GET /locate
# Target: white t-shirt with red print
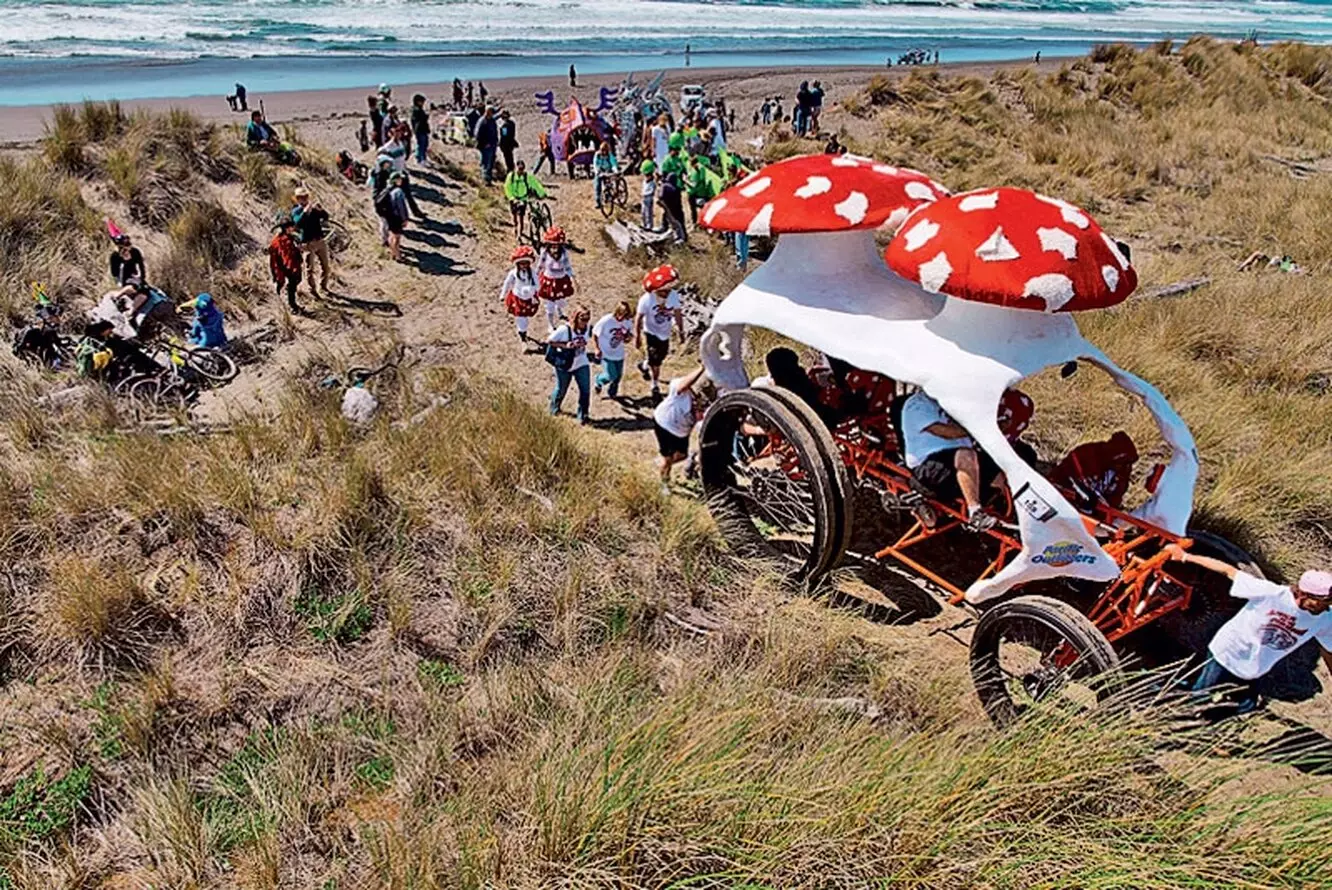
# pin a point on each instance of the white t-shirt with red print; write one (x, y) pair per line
(612, 334)
(566, 334)
(1269, 627)
(658, 315)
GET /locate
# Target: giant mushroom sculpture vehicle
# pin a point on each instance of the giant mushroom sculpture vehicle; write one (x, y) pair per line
(980, 294)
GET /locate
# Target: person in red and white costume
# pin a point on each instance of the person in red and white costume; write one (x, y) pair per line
(556, 282)
(518, 293)
(659, 309)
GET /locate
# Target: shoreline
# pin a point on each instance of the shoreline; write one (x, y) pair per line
(22, 125)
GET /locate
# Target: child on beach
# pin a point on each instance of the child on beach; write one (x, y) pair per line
(555, 275)
(649, 171)
(609, 336)
(674, 418)
(659, 306)
(519, 290)
(420, 121)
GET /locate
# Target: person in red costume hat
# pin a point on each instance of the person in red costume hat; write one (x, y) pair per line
(659, 309)
(518, 293)
(555, 275)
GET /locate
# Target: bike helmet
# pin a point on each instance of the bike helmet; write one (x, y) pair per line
(522, 253)
(660, 278)
(555, 235)
(1015, 411)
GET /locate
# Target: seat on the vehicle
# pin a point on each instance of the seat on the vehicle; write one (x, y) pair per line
(1098, 471)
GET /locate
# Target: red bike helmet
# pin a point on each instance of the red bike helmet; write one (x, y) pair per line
(555, 235)
(523, 252)
(660, 278)
(1015, 411)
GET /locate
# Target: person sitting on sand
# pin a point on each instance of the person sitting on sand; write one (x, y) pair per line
(259, 135)
(208, 328)
(127, 263)
(103, 355)
(520, 187)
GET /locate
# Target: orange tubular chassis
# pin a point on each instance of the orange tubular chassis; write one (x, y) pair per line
(1142, 593)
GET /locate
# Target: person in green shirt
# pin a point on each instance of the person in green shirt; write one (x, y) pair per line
(702, 186)
(521, 187)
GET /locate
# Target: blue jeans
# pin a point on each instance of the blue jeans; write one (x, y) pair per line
(422, 143)
(488, 163)
(581, 376)
(1213, 675)
(742, 251)
(612, 369)
(596, 186)
(647, 212)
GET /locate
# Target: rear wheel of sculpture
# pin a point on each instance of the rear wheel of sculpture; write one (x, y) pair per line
(1036, 649)
(768, 484)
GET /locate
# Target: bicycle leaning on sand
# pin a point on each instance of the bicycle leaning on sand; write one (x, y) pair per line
(614, 194)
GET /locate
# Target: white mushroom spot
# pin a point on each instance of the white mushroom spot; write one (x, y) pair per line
(853, 209)
(1055, 289)
(940, 189)
(1114, 249)
(761, 224)
(1111, 276)
(972, 203)
(934, 274)
(885, 169)
(1058, 241)
(896, 218)
(815, 185)
(1072, 215)
(757, 187)
(997, 248)
(715, 207)
(846, 161)
(750, 178)
(920, 234)
(920, 191)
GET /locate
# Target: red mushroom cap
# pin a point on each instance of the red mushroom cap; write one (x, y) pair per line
(522, 252)
(820, 193)
(660, 278)
(1013, 248)
(1015, 412)
(554, 235)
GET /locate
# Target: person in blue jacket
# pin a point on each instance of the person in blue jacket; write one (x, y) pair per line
(207, 329)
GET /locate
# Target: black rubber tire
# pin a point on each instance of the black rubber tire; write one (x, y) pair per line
(1096, 657)
(843, 497)
(716, 444)
(212, 364)
(1207, 543)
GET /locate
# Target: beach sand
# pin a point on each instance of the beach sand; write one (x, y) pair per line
(743, 88)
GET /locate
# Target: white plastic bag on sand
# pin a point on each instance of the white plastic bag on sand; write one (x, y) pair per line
(107, 310)
(359, 405)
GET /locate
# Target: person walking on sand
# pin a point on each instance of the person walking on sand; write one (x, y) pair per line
(573, 76)
(518, 293)
(420, 122)
(471, 93)
(670, 190)
(391, 206)
(508, 140)
(659, 309)
(284, 262)
(604, 166)
(566, 350)
(674, 419)
(610, 337)
(545, 155)
(688, 53)
(1275, 621)
(481, 91)
(556, 282)
(376, 120)
(311, 219)
(520, 187)
(458, 95)
(487, 141)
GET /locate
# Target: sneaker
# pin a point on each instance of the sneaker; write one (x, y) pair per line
(596, 387)
(643, 369)
(656, 391)
(691, 466)
(980, 521)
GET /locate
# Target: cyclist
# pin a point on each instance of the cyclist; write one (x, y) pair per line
(521, 187)
(604, 166)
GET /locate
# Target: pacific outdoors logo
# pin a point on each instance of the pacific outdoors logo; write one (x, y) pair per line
(1063, 553)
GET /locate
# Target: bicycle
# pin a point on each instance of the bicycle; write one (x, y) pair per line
(614, 194)
(211, 364)
(539, 219)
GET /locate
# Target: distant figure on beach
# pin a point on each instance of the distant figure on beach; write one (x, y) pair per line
(766, 112)
(237, 99)
(259, 135)
(458, 95)
(487, 141)
(471, 93)
(1038, 57)
(481, 91)
(573, 76)
(815, 107)
(545, 154)
(420, 121)
(376, 120)
(936, 57)
(687, 54)
(508, 140)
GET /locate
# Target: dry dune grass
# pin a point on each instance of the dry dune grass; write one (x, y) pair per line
(297, 653)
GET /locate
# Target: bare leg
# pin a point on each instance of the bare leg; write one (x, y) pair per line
(967, 464)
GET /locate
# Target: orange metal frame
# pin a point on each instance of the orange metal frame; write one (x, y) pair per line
(1140, 594)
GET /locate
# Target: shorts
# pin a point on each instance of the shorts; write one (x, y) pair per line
(668, 443)
(937, 474)
(394, 224)
(657, 350)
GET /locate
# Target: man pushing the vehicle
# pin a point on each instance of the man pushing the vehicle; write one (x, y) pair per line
(1275, 621)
